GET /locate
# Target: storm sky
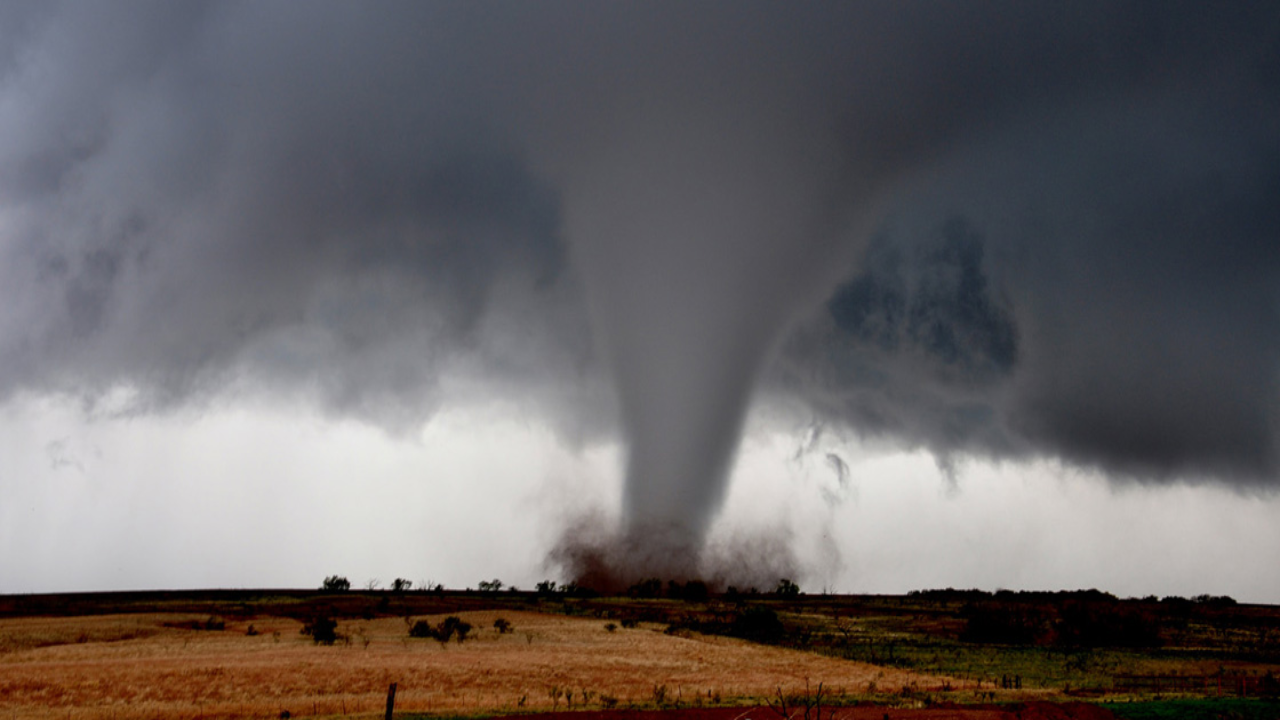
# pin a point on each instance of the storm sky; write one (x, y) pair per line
(867, 293)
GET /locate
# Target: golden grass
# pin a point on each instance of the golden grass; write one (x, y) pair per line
(129, 667)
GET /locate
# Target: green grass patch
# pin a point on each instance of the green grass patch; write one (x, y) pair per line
(1205, 709)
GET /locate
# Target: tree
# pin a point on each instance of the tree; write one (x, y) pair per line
(336, 583)
(648, 588)
(401, 585)
(786, 588)
(373, 584)
(493, 585)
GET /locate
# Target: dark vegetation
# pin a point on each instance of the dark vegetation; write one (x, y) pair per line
(322, 629)
(1197, 709)
(335, 583)
(451, 628)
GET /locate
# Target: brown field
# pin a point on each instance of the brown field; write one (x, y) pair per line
(142, 666)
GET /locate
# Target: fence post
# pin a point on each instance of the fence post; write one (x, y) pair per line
(391, 700)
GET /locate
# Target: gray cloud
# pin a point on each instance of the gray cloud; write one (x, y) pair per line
(1001, 231)
(1113, 298)
(200, 196)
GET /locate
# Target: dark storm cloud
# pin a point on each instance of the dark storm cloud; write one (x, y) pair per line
(1004, 230)
(1094, 280)
(198, 195)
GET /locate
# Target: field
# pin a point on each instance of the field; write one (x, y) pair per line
(162, 666)
(244, 654)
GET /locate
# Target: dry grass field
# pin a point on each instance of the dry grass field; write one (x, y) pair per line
(149, 666)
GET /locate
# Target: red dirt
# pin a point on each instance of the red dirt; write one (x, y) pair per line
(945, 711)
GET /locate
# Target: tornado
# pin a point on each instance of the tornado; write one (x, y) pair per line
(701, 234)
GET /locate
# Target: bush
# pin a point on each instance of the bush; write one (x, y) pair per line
(452, 627)
(758, 624)
(323, 630)
(503, 626)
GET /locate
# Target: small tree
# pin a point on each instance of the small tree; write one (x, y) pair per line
(493, 585)
(401, 585)
(503, 626)
(336, 583)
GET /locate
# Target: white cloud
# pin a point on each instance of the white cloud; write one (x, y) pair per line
(249, 497)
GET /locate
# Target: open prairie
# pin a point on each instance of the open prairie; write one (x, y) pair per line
(167, 666)
(957, 654)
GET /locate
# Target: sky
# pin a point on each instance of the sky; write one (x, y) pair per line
(874, 296)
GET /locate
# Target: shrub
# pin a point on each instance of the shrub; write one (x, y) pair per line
(452, 627)
(323, 630)
(758, 624)
(503, 626)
